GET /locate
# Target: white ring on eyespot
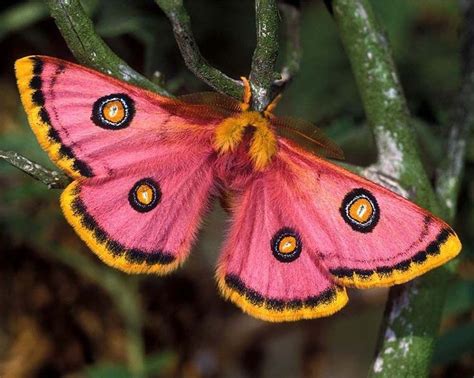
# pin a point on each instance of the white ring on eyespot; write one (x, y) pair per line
(372, 217)
(125, 107)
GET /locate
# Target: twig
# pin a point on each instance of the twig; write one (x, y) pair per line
(52, 179)
(262, 74)
(180, 20)
(413, 311)
(291, 18)
(88, 48)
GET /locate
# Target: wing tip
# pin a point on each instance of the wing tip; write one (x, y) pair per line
(23, 65)
(28, 72)
(254, 304)
(443, 249)
(101, 245)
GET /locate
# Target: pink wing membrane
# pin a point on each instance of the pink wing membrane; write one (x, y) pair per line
(142, 162)
(257, 281)
(398, 242)
(69, 97)
(145, 168)
(151, 237)
(348, 231)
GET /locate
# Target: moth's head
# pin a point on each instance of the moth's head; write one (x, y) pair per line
(230, 132)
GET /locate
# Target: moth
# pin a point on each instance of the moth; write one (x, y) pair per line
(145, 168)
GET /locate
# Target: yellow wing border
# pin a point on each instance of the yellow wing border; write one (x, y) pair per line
(445, 247)
(275, 310)
(29, 72)
(108, 250)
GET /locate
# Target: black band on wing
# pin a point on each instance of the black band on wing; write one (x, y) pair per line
(433, 249)
(38, 98)
(115, 248)
(275, 304)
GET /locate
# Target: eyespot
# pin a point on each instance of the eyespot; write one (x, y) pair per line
(144, 195)
(113, 112)
(286, 245)
(360, 210)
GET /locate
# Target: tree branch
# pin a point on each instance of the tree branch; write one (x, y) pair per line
(262, 73)
(89, 49)
(413, 310)
(52, 179)
(181, 23)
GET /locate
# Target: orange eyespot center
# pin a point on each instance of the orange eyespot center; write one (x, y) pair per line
(144, 194)
(288, 244)
(114, 111)
(361, 210)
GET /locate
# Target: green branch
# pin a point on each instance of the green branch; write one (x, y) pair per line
(89, 49)
(181, 23)
(52, 179)
(413, 310)
(262, 74)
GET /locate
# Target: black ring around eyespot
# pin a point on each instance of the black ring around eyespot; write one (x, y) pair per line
(275, 242)
(98, 115)
(349, 199)
(133, 199)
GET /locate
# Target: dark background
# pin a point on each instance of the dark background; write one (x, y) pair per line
(62, 312)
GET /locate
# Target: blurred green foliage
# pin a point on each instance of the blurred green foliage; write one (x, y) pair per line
(154, 365)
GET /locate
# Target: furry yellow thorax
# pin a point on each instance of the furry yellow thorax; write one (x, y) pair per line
(230, 132)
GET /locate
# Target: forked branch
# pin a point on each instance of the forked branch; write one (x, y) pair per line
(181, 23)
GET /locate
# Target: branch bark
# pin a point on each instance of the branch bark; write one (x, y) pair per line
(262, 73)
(52, 179)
